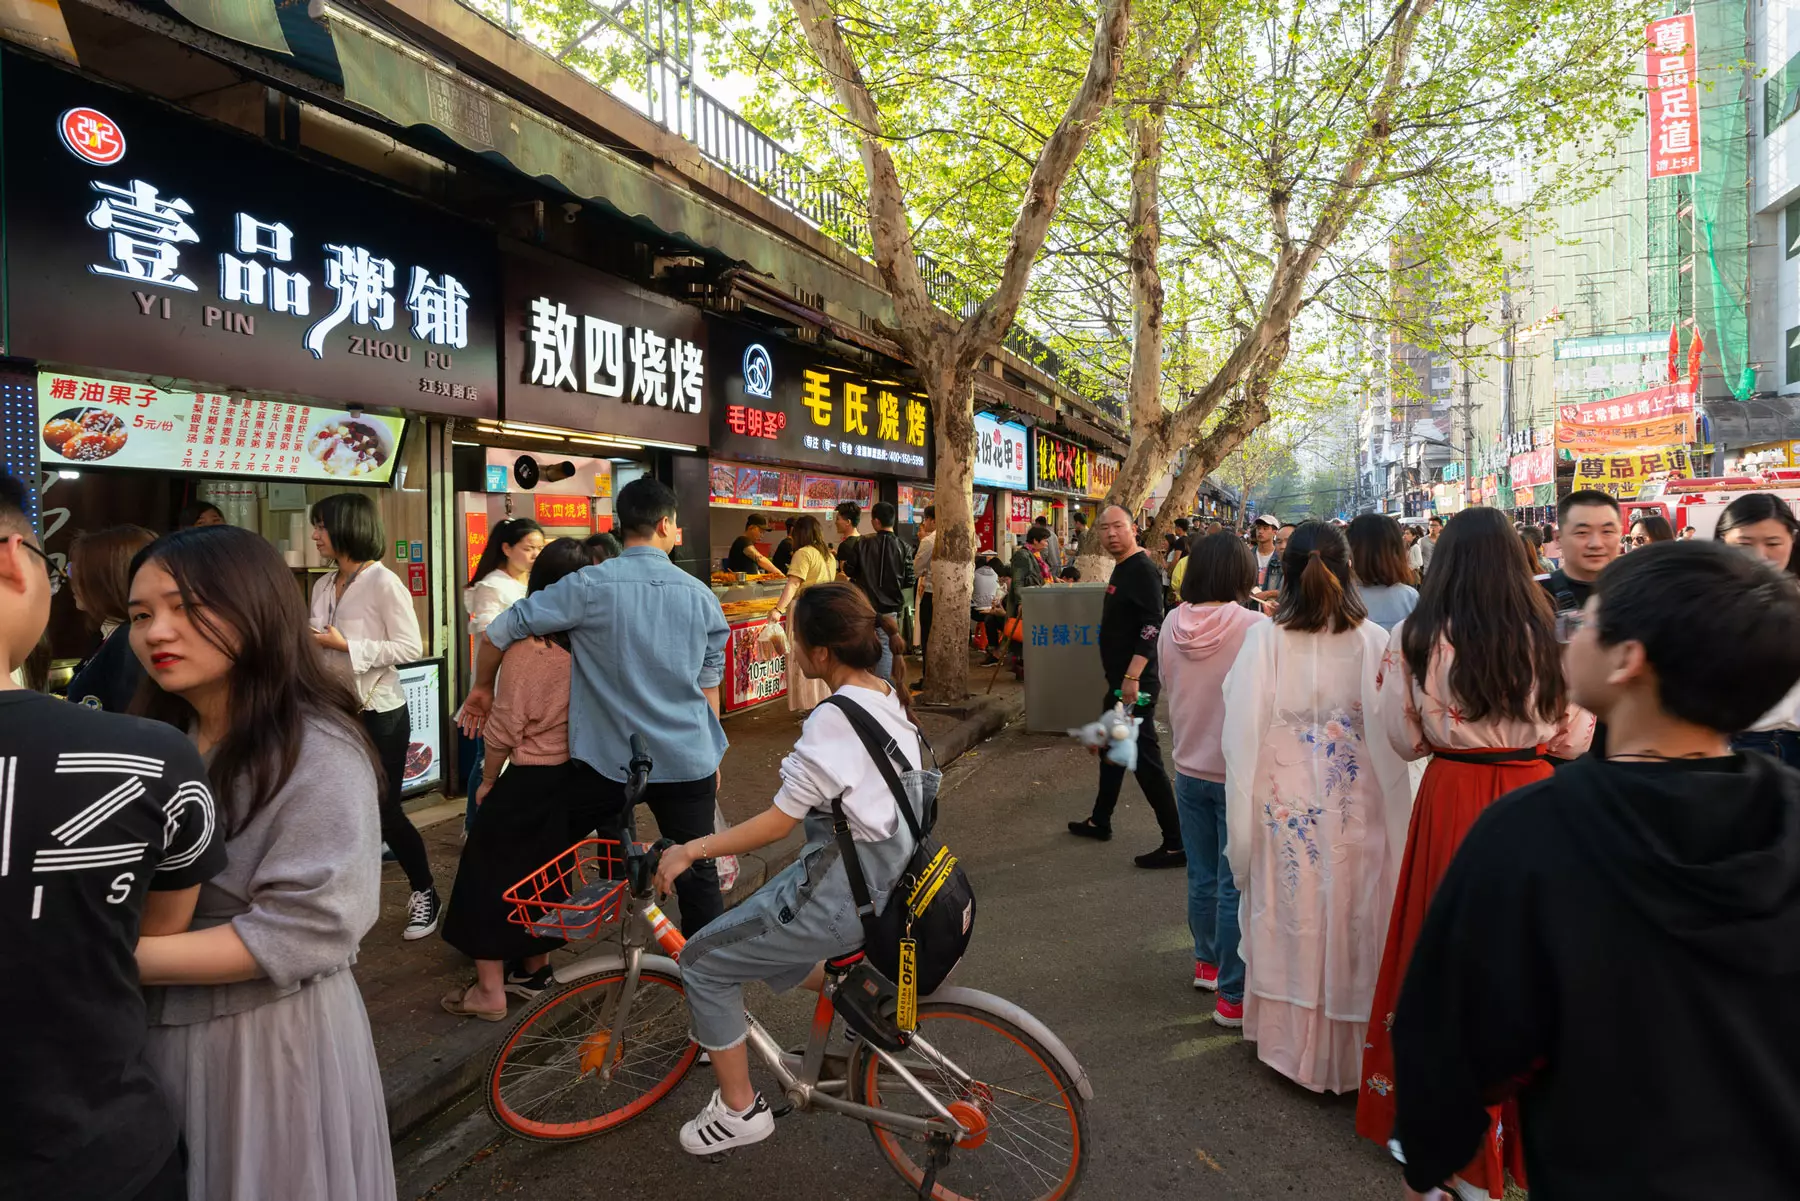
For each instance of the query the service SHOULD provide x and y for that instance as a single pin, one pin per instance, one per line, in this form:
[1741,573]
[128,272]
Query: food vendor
[746,553]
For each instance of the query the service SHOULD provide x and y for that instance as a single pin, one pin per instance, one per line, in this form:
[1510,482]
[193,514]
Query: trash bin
[1063,679]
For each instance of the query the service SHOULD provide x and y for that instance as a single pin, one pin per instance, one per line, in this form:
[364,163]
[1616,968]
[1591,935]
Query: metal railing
[673,100]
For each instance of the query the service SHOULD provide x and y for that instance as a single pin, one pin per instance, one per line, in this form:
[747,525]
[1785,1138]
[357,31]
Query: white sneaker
[422,914]
[716,1128]
[1466,1191]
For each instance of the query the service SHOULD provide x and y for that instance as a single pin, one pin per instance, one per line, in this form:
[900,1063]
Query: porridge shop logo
[92,135]
[759,372]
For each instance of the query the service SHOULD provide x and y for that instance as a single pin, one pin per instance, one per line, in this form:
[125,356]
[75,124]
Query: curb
[420,1086]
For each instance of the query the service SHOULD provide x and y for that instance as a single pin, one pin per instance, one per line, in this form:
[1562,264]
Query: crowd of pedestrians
[1470,949]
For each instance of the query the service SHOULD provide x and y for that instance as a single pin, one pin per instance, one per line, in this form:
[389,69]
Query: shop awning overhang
[1738,423]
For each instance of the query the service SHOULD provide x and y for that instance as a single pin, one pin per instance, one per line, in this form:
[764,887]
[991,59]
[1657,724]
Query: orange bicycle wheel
[1028,1122]
[546,1084]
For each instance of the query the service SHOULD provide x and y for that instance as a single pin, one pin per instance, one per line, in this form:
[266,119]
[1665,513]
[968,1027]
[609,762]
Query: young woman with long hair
[1384,577]
[100,575]
[1199,642]
[363,618]
[812,564]
[1761,524]
[1316,805]
[784,932]
[257,1032]
[1649,527]
[522,819]
[496,585]
[1473,678]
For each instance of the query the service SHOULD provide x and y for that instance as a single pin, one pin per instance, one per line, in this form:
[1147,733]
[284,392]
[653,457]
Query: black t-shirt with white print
[96,811]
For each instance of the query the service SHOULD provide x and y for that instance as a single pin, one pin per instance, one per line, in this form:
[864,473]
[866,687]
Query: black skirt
[521,825]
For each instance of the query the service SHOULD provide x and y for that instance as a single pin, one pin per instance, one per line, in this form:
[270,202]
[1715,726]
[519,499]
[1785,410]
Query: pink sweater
[1197,647]
[529,722]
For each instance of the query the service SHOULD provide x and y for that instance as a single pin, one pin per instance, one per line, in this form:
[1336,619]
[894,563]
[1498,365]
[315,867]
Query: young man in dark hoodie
[1618,947]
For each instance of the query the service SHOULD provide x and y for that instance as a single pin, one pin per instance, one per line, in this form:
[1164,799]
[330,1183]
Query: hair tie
[1313,553]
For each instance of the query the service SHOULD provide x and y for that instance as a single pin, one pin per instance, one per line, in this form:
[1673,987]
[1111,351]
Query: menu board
[423,685]
[755,671]
[103,423]
[775,488]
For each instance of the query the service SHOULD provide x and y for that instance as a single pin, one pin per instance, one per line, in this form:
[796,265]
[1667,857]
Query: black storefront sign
[143,240]
[773,400]
[1060,466]
[590,352]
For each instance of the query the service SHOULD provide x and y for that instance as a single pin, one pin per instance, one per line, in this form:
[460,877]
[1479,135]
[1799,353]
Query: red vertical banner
[475,539]
[1671,69]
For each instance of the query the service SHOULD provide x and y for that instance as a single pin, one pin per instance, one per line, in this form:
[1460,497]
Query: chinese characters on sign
[100,422]
[1000,460]
[132,250]
[1061,466]
[755,671]
[1676,429]
[1533,467]
[564,511]
[1102,471]
[755,422]
[1671,64]
[1667,401]
[1621,475]
[625,362]
[1059,634]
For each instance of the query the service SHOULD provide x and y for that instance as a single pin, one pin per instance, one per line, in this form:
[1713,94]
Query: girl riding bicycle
[805,915]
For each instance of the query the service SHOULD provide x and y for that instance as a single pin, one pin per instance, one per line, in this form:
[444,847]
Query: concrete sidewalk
[430,1059]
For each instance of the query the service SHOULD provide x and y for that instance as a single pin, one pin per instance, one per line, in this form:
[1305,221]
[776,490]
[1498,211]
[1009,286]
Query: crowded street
[1024,601]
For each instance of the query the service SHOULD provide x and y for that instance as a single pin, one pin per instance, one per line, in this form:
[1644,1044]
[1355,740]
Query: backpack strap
[859,885]
[886,752]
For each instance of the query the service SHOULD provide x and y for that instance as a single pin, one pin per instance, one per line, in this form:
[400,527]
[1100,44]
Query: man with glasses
[107,831]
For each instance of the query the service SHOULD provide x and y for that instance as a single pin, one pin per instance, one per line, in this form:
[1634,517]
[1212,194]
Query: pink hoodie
[1198,645]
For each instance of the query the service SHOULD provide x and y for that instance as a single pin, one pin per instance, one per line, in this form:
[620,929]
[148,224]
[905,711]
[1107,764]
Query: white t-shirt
[1262,565]
[830,761]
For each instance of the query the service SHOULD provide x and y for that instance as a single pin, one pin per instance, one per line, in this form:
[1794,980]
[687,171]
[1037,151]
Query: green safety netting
[1705,218]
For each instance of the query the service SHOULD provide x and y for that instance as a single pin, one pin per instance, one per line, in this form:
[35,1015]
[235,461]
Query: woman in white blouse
[503,571]
[363,617]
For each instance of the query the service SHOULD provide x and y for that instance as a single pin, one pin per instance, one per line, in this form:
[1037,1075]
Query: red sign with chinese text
[1671,64]
[92,135]
[754,422]
[1665,401]
[565,511]
[475,538]
[415,578]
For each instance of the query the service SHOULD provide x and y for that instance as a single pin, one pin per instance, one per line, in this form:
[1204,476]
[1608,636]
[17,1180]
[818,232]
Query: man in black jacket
[1130,620]
[1618,946]
[881,566]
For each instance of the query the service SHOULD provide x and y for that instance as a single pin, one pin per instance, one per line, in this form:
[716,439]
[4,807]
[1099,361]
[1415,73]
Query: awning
[252,22]
[1736,423]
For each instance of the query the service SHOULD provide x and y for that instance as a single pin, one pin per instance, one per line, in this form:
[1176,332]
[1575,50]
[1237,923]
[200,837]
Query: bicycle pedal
[781,1110]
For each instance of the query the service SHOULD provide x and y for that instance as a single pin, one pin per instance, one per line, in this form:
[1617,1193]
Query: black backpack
[930,915]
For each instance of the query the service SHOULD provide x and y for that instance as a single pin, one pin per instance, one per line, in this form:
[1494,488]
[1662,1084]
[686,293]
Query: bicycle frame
[799,1074]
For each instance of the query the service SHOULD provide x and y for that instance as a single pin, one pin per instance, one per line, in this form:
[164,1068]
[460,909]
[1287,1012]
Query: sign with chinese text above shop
[1060,466]
[141,240]
[100,423]
[774,400]
[1533,467]
[1000,460]
[1626,433]
[1671,65]
[1623,475]
[586,351]
[1102,471]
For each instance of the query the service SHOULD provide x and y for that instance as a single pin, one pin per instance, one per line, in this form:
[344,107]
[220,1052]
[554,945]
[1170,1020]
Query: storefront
[1002,471]
[795,432]
[256,338]
[1061,476]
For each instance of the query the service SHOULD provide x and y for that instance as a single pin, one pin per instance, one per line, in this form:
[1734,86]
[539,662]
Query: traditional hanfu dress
[1316,810]
[1473,764]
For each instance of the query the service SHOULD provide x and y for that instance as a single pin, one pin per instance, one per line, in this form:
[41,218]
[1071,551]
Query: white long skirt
[282,1103]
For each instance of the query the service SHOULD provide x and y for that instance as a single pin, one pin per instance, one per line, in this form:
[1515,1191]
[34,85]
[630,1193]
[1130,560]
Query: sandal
[453,1003]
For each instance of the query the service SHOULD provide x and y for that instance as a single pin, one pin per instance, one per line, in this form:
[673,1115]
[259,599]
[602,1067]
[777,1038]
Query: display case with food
[755,672]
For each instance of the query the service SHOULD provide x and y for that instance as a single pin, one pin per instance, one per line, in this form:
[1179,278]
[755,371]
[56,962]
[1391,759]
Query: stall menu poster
[106,423]
[755,671]
[423,685]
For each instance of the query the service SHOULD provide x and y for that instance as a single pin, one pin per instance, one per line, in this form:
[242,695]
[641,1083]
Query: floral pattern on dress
[1380,1085]
[1336,736]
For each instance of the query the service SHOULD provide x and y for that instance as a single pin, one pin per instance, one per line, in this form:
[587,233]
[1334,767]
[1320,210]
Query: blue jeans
[1212,897]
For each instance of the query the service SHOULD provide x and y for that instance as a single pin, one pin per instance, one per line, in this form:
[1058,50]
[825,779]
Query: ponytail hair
[838,618]
[1316,590]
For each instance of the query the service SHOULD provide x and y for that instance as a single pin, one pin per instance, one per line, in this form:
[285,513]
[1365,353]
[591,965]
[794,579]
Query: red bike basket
[575,895]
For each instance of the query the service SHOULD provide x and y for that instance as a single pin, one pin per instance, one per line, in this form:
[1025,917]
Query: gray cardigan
[302,882]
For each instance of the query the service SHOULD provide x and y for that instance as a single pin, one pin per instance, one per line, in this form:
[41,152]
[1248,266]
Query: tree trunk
[953,559]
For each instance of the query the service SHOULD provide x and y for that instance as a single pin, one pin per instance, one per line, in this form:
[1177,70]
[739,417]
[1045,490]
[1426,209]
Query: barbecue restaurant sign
[145,241]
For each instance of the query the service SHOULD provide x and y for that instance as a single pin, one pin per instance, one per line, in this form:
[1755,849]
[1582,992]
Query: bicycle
[611,1040]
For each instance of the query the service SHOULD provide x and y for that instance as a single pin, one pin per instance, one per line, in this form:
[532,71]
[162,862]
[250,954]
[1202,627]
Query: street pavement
[1096,948]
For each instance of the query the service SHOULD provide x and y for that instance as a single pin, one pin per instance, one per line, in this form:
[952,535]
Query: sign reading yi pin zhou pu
[145,241]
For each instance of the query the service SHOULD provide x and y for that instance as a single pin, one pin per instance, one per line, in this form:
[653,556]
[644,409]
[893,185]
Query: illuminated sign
[1000,457]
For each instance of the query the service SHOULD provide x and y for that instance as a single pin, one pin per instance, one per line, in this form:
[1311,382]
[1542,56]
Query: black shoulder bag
[930,915]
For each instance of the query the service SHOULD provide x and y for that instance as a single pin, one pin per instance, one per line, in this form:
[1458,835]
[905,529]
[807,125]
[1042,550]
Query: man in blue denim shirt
[649,654]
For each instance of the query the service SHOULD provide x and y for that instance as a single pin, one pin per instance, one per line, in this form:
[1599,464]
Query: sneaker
[422,914]
[1087,829]
[1206,976]
[717,1128]
[529,985]
[1162,857]
[1229,1014]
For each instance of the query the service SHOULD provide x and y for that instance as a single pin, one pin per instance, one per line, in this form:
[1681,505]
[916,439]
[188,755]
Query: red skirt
[1451,796]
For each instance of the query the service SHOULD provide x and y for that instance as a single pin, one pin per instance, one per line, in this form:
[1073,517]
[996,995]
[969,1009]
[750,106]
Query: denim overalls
[790,925]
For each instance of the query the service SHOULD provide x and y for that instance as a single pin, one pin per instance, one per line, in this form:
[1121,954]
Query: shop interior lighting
[587,438]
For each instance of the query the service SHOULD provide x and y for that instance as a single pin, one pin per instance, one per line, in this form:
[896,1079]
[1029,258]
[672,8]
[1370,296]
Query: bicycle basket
[575,895]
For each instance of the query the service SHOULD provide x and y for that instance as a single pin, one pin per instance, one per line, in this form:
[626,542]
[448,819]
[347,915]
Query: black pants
[684,812]
[392,733]
[924,630]
[1152,777]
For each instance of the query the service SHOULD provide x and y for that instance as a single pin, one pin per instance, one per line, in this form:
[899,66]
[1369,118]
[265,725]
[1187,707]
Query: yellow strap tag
[906,1015]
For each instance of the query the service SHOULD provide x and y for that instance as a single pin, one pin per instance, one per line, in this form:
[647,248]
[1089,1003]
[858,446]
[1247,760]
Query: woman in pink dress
[1316,809]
